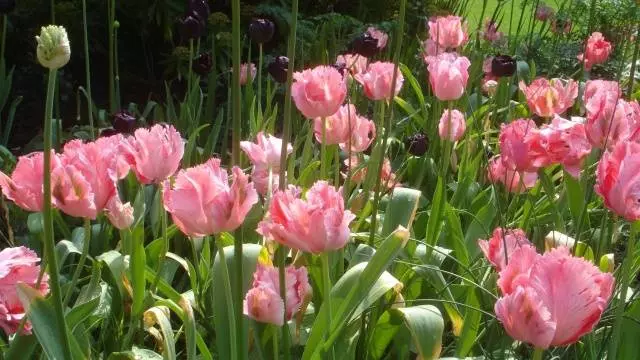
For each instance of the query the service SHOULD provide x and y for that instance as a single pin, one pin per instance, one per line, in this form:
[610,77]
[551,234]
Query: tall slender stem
[634,60]
[111,17]
[83,259]
[165,242]
[326,293]
[537,354]
[49,242]
[87,67]
[624,285]
[190,72]
[260,86]
[281,258]
[4,37]
[226,283]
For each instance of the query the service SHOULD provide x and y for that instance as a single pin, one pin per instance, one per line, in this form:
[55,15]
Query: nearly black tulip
[503,65]
[261,30]
[202,64]
[365,45]
[341,67]
[7,6]
[417,144]
[192,26]
[124,122]
[201,7]
[278,69]
[108,132]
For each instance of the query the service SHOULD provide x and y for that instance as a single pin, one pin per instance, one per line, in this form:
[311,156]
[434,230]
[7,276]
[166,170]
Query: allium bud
[202,64]
[278,69]
[53,48]
[261,30]
[7,6]
[503,65]
[124,121]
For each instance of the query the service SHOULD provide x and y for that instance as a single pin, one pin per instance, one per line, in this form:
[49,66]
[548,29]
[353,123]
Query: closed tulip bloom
[18,265]
[564,142]
[452,125]
[24,187]
[377,81]
[265,155]
[597,51]
[318,92]
[387,176]
[491,33]
[537,313]
[120,215]
[448,75]
[363,132]
[549,97]
[618,180]
[513,181]
[202,202]
[448,31]
[336,127]
[246,71]
[154,154]
[314,224]
[517,141]
[354,63]
[431,49]
[494,248]
[262,306]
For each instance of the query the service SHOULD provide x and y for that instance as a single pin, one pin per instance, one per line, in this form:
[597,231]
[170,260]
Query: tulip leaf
[425,325]
[401,210]
[471,324]
[160,316]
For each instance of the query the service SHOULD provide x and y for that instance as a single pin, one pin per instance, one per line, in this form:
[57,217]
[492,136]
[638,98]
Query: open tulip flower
[597,51]
[549,97]
[24,187]
[318,92]
[377,81]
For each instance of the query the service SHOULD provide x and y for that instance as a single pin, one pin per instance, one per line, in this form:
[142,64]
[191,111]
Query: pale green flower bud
[555,239]
[53,49]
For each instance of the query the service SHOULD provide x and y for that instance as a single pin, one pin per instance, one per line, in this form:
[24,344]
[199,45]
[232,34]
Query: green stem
[377,165]
[226,285]
[286,128]
[4,36]
[83,259]
[276,351]
[624,285]
[323,151]
[281,258]
[165,242]
[190,73]
[260,86]
[326,293]
[111,17]
[49,242]
[634,60]
[537,354]
[87,67]
[53,11]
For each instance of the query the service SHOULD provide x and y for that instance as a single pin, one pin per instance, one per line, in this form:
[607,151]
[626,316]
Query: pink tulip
[549,97]
[376,81]
[24,187]
[560,300]
[354,63]
[315,224]
[387,177]
[154,154]
[597,51]
[491,33]
[247,70]
[618,179]
[494,248]
[263,302]
[318,92]
[265,155]
[363,132]
[518,269]
[120,215]
[430,50]
[517,141]
[86,180]
[565,142]
[379,35]
[449,31]
[17,265]
[543,12]
[202,202]
[344,126]
[452,125]
[610,119]
[448,75]
[498,172]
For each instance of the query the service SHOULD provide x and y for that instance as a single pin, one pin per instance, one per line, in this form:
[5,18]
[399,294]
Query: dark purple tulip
[417,144]
[503,65]
[202,64]
[261,30]
[365,45]
[124,122]
[278,69]
[192,26]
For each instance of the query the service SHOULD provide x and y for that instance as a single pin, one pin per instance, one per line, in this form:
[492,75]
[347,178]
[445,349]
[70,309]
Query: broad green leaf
[160,316]
[425,324]
[135,354]
[401,210]
[250,255]
[454,237]
[435,217]
[435,278]
[345,305]
[471,324]
[190,328]
[41,313]
[137,265]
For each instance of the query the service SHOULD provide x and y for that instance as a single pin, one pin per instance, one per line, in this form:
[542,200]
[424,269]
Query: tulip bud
[278,69]
[191,26]
[53,48]
[261,30]
[607,263]
[124,121]
[555,239]
[503,65]
[417,144]
[7,6]
[202,64]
